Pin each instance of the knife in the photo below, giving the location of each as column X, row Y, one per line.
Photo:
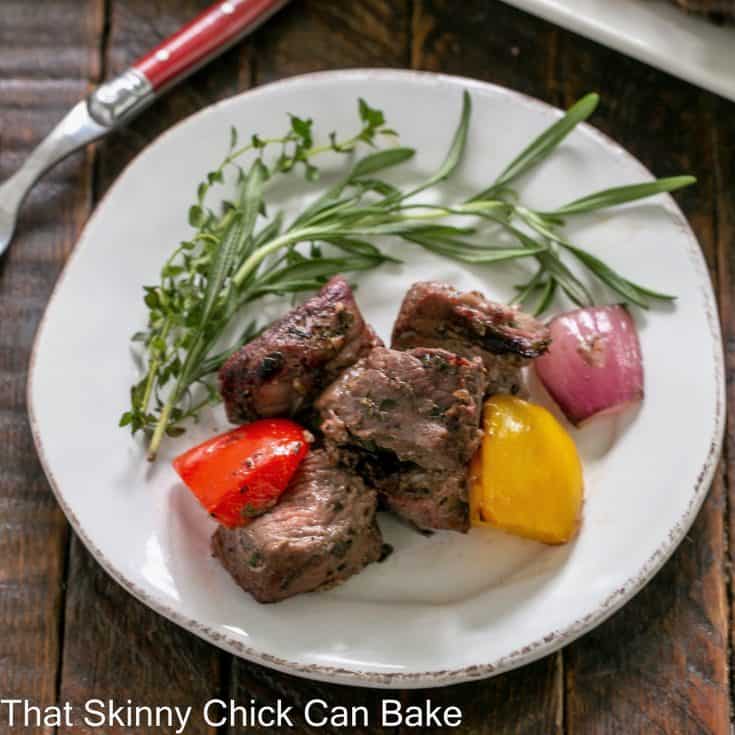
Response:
column 118, row 100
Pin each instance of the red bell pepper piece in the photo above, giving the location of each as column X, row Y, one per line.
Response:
column 241, row 474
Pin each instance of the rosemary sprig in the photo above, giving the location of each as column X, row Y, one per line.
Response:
column 229, row 263
column 542, row 146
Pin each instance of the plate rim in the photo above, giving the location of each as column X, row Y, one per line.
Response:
column 616, row 37
column 434, row 678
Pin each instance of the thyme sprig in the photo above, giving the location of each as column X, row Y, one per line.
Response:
column 229, row 263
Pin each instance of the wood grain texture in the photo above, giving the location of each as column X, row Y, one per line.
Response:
column 364, row 33
column 529, row 700
column 312, row 35
column 38, row 83
column 114, row 646
column 136, row 26
column 117, row 648
column 660, row 664
column 490, row 41
column 520, row 702
column 62, row 42
column 723, row 129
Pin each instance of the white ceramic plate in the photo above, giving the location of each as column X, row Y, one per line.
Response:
column 656, row 32
column 442, row 609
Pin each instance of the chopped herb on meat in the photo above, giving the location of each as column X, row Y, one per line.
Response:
column 324, row 520
column 283, row 370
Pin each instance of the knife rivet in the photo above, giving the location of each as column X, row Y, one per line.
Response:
column 162, row 55
column 227, row 8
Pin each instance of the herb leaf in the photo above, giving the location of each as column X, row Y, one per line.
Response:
column 544, row 144
column 456, row 148
column 621, row 195
column 467, row 252
column 227, row 264
column 380, row 160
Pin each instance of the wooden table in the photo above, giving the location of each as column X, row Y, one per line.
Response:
column 68, row 632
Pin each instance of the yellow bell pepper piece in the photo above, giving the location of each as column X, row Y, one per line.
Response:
column 526, row 478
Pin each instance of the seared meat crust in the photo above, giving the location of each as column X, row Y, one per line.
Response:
column 435, row 314
column 409, row 423
column 321, row 532
column 423, row 405
column 283, row 370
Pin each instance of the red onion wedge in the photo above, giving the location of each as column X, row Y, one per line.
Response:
column 594, row 364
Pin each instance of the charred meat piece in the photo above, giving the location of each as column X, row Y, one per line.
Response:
column 409, row 423
column 283, row 370
column 438, row 310
column 437, row 315
column 423, row 405
column 322, row 531
column 428, row 499
column 503, row 371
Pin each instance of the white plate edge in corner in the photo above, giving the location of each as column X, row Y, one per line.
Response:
column 640, row 28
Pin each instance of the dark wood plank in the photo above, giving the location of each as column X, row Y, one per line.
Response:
column 372, row 33
column 60, row 43
column 724, row 169
column 487, row 40
column 312, row 35
column 659, row 665
column 39, row 81
column 115, row 647
column 490, row 41
column 519, row 702
column 135, row 27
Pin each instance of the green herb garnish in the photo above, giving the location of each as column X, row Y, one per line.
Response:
column 210, row 280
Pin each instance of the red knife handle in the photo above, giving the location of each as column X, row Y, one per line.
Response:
column 210, row 33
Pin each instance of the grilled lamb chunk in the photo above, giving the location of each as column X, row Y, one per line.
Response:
column 503, row 371
column 423, row 405
column 409, row 423
column 322, row 531
column 428, row 499
column 438, row 310
column 284, row 369
column 437, row 315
